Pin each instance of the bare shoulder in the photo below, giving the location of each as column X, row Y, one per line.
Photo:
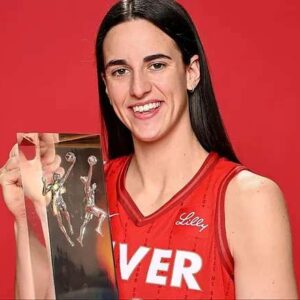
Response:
column 259, row 238
column 251, row 193
column 254, row 205
column 249, row 182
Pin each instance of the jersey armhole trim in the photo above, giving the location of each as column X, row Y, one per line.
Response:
column 221, row 237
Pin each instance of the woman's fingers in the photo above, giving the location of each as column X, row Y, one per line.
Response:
column 14, row 151
column 8, row 177
column 44, row 145
column 43, row 163
column 53, row 166
column 6, row 173
column 47, row 147
column 49, row 138
column 13, row 195
column 10, row 172
column 12, row 163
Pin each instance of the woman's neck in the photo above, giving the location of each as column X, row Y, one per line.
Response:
column 176, row 157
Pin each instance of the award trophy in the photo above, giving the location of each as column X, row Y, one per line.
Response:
column 67, row 215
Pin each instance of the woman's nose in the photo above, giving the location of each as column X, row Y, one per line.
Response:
column 140, row 85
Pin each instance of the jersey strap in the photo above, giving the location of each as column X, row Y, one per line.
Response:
column 221, row 237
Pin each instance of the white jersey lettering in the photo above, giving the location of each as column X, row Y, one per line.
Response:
column 127, row 267
column 186, row 265
column 187, row 273
column 157, row 265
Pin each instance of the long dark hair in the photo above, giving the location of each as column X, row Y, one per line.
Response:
column 172, row 19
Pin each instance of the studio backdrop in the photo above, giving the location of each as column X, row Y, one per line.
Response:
column 48, row 83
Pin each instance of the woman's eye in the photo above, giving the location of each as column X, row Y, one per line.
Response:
column 119, row 72
column 157, row 66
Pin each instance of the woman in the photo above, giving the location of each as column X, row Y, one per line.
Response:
column 192, row 222
column 179, row 175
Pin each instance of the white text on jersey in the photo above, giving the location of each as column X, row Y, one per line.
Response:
column 186, row 265
column 189, row 219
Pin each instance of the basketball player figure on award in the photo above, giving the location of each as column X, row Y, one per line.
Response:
column 90, row 208
column 58, row 204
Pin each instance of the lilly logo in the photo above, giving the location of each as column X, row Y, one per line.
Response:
column 190, row 219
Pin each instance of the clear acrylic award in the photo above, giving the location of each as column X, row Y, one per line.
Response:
column 67, row 213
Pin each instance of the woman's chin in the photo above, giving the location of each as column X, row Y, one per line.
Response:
column 146, row 138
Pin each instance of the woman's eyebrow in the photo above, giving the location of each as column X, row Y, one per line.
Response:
column 118, row 62
column 115, row 62
column 156, row 56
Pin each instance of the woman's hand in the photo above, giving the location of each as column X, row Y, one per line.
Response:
column 43, row 164
column 10, row 180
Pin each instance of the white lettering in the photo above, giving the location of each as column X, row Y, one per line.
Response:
column 186, row 265
column 157, row 265
column 180, row 271
column 127, row 267
column 188, row 219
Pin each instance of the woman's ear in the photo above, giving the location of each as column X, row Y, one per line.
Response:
column 193, row 73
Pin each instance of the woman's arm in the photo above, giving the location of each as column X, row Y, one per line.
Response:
column 24, row 287
column 259, row 238
column 33, row 267
column 33, row 272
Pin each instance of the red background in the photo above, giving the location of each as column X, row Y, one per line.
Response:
column 48, row 84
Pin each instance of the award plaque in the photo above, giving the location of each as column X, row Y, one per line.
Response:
column 67, row 213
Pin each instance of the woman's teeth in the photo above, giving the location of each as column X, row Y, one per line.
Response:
column 146, row 107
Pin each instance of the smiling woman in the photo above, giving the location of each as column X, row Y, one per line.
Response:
column 191, row 221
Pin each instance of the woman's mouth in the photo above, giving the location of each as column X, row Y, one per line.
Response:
column 145, row 111
column 146, row 107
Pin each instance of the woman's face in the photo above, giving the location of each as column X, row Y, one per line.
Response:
column 146, row 79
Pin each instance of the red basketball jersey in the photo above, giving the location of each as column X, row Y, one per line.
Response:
column 179, row 251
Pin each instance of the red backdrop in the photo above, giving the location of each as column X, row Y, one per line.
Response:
column 48, row 84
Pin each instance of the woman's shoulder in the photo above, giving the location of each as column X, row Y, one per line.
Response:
column 250, row 197
column 247, row 193
column 244, row 183
column 259, row 238
column 250, row 189
column 256, row 215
